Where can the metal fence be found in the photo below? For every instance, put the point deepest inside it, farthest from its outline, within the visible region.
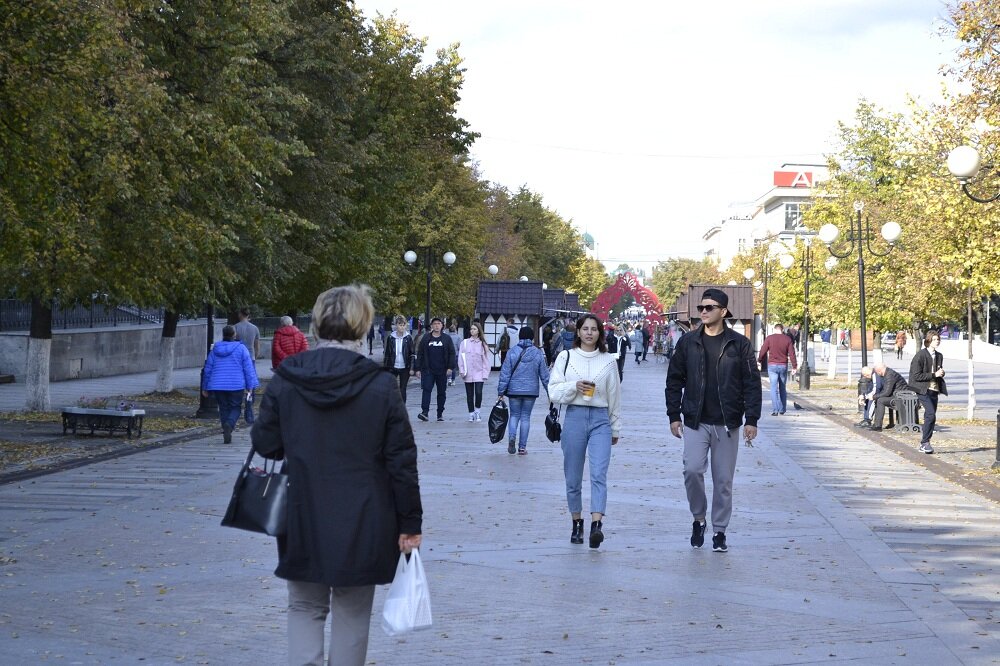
(15, 315)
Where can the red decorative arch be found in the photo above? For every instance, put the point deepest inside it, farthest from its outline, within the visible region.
(628, 283)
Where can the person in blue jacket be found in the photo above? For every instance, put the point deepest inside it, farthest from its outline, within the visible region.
(520, 384)
(230, 375)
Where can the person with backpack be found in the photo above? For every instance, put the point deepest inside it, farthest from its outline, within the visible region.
(519, 376)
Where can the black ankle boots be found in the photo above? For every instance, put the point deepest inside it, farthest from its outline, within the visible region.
(577, 536)
(596, 535)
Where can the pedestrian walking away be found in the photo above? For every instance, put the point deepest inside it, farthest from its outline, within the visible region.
(520, 374)
(474, 366)
(288, 340)
(249, 335)
(338, 422)
(927, 380)
(435, 358)
(456, 341)
(825, 335)
(645, 340)
(777, 353)
(585, 379)
(900, 343)
(230, 375)
(714, 384)
(398, 354)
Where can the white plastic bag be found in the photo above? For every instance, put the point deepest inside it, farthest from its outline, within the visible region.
(408, 603)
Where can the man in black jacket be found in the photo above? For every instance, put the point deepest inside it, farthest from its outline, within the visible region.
(435, 357)
(892, 383)
(927, 379)
(713, 381)
(398, 356)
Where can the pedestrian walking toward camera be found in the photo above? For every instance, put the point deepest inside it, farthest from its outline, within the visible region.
(777, 353)
(585, 379)
(619, 349)
(714, 383)
(519, 376)
(249, 335)
(398, 354)
(338, 422)
(474, 366)
(900, 343)
(288, 341)
(456, 341)
(927, 379)
(435, 358)
(645, 340)
(229, 375)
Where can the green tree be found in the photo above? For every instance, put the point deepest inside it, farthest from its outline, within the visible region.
(671, 277)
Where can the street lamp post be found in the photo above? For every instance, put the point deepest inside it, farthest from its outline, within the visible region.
(207, 407)
(860, 235)
(410, 257)
(966, 164)
(787, 261)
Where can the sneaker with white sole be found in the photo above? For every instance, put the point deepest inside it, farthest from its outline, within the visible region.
(422, 416)
(478, 417)
(926, 448)
(472, 417)
(719, 542)
(697, 534)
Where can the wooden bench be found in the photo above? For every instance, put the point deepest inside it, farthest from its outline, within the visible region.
(113, 420)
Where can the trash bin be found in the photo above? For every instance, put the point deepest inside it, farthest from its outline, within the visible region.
(905, 405)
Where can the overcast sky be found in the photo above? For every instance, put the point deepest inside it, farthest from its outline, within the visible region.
(646, 123)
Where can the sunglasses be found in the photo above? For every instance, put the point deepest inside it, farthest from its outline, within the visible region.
(707, 308)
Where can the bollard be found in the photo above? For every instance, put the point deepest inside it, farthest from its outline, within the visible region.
(996, 463)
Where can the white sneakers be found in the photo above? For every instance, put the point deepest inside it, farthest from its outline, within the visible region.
(472, 417)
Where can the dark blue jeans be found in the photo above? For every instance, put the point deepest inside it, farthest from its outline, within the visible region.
(929, 402)
(427, 382)
(230, 406)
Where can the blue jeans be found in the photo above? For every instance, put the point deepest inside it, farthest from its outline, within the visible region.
(520, 419)
(779, 378)
(586, 430)
(230, 406)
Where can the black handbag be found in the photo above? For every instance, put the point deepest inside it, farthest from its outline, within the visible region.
(553, 429)
(497, 422)
(260, 500)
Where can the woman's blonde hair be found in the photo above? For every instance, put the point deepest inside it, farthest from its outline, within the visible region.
(343, 313)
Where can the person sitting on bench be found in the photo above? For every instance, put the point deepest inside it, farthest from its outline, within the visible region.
(893, 383)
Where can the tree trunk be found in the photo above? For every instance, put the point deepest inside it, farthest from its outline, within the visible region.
(39, 353)
(168, 340)
(970, 410)
(831, 370)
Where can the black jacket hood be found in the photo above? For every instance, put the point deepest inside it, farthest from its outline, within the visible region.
(328, 377)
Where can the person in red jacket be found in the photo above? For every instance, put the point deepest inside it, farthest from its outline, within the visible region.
(777, 353)
(288, 340)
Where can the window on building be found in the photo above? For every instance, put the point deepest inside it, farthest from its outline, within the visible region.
(794, 210)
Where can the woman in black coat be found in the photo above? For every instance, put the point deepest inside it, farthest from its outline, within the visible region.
(338, 421)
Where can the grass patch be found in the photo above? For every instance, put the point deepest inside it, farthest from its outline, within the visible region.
(13, 453)
(171, 423)
(31, 417)
(968, 422)
(174, 397)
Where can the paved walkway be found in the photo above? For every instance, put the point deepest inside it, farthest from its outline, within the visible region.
(840, 552)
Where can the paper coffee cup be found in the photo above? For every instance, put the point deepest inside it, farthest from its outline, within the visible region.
(588, 391)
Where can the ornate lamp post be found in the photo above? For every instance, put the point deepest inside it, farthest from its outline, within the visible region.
(410, 257)
(860, 235)
(966, 164)
(787, 261)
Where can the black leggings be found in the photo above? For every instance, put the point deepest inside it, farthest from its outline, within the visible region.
(474, 395)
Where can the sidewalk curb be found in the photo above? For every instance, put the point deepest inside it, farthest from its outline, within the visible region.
(931, 463)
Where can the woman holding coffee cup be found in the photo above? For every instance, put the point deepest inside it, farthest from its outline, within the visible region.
(585, 379)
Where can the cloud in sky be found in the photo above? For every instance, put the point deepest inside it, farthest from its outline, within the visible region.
(648, 122)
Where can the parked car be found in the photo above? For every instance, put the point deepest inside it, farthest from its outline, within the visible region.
(888, 341)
